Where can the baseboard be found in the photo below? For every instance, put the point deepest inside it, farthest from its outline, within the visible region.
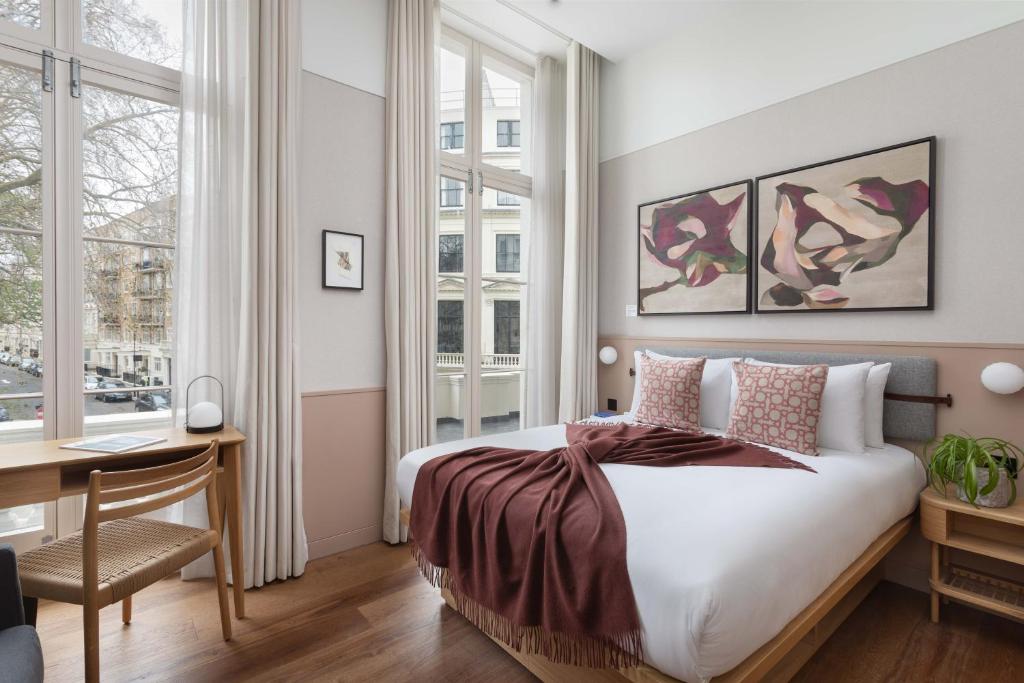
(346, 541)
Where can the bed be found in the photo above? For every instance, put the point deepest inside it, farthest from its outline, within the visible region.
(774, 550)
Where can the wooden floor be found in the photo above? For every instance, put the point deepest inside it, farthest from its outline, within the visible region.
(366, 615)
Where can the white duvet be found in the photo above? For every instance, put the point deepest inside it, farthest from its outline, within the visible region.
(722, 558)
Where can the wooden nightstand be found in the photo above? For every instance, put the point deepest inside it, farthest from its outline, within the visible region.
(992, 532)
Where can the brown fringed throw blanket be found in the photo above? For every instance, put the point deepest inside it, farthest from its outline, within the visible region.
(532, 544)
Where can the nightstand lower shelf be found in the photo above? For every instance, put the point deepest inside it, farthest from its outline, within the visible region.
(988, 592)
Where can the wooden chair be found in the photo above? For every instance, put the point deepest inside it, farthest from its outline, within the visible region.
(117, 553)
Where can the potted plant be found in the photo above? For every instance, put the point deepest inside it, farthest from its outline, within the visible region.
(983, 469)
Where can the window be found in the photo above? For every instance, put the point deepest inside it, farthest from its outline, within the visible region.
(449, 327)
(507, 199)
(484, 186)
(506, 253)
(506, 327)
(452, 135)
(106, 156)
(450, 254)
(451, 193)
(508, 133)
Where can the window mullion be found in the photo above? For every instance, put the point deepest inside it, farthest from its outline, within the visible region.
(67, 329)
(474, 242)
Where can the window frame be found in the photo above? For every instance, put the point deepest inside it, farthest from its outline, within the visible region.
(469, 167)
(63, 236)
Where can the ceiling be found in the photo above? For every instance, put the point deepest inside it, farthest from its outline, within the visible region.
(617, 29)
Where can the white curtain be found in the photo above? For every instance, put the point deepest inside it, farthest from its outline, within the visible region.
(236, 298)
(409, 270)
(543, 320)
(578, 388)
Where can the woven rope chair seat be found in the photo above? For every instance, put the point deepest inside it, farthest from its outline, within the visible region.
(133, 553)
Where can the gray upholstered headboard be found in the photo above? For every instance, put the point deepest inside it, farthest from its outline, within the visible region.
(913, 375)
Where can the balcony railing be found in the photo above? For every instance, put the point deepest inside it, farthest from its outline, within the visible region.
(490, 360)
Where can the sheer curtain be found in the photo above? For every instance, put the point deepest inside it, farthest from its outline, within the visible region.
(578, 385)
(543, 320)
(236, 298)
(409, 250)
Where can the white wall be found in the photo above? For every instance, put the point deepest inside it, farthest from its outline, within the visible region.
(969, 95)
(734, 58)
(346, 41)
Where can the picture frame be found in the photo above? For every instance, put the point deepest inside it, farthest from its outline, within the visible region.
(710, 280)
(342, 260)
(867, 222)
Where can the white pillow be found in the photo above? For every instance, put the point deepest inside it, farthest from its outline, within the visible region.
(715, 388)
(874, 401)
(842, 422)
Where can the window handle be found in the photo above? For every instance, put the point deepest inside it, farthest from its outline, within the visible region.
(480, 175)
(469, 180)
(47, 70)
(76, 77)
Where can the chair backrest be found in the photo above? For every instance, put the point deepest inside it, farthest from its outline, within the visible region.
(166, 484)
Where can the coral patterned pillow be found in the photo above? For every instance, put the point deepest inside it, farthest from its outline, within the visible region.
(670, 393)
(778, 406)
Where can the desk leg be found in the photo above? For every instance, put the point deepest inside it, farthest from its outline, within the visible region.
(233, 504)
(222, 501)
(935, 578)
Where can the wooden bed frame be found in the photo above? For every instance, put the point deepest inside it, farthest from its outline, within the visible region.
(779, 659)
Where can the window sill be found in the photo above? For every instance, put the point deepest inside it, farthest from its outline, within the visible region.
(24, 430)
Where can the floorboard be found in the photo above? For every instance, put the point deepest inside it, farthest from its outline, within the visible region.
(367, 615)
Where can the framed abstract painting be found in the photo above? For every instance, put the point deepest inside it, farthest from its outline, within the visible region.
(694, 252)
(851, 234)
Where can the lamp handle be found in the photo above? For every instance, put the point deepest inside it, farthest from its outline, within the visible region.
(188, 390)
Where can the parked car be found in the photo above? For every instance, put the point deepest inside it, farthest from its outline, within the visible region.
(92, 381)
(36, 368)
(5, 416)
(113, 395)
(39, 411)
(4, 356)
(149, 401)
(14, 361)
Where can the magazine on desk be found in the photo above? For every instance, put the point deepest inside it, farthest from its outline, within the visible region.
(113, 443)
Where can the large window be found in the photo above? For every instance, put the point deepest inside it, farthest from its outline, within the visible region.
(89, 93)
(507, 253)
(479, 281)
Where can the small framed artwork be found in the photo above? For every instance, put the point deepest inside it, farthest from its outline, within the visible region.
(851, 234)
(694, 252)
(343, 260)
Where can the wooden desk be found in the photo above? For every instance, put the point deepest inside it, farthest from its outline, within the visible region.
(41, 471)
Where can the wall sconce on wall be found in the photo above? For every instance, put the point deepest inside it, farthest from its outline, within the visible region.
(608, 355)
(1003, 378)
